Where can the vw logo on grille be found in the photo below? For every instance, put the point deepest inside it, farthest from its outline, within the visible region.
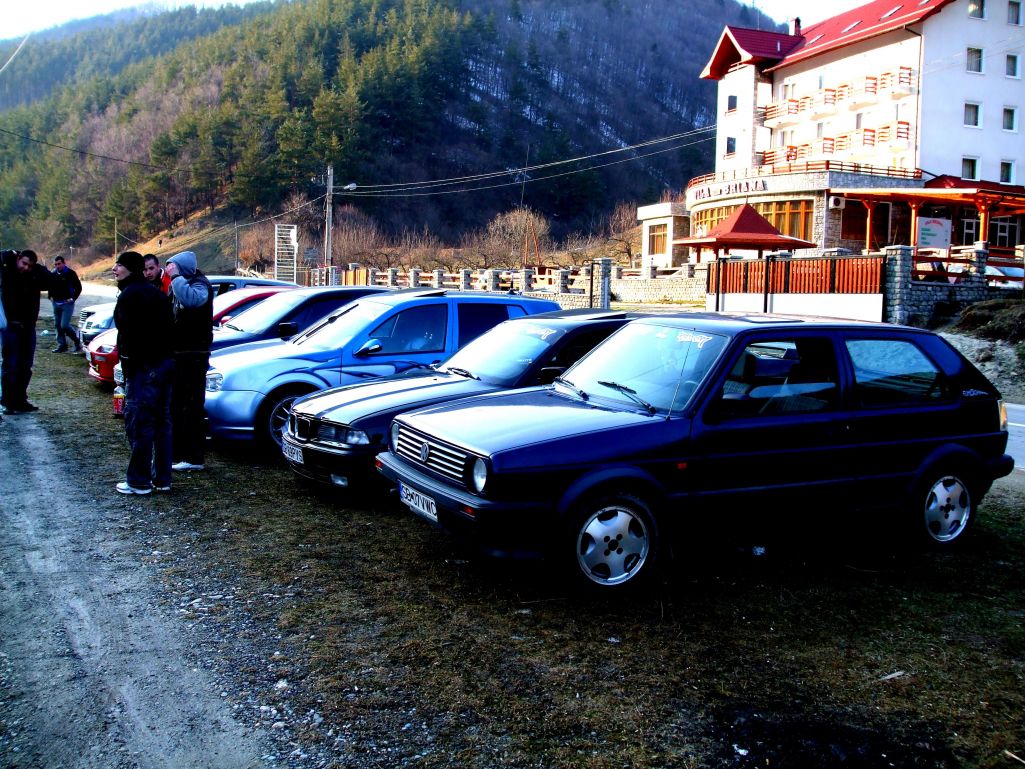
(425, 452)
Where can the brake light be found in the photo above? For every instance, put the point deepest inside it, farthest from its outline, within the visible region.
(1003, 416)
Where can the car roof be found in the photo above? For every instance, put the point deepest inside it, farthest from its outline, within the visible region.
(733, 324)
(315, 290)
(404, 295)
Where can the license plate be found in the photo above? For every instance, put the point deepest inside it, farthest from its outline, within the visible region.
(418, 503)
(295, 453)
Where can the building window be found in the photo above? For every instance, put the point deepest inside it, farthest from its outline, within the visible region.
(731, 145)
(1012, 65)
(657, 236)
(859, 119)
(972, 115)
(1014, 12)
(977, 9)
(970, 168)
(974, 60)
(1007, 172)
(1010, 119)
(731, 103)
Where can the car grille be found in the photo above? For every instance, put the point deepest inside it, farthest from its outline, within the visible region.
(424, 451)
(303, 428)
(83, 316)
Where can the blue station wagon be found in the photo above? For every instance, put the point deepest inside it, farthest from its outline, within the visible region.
(250, 387)
(679, 420)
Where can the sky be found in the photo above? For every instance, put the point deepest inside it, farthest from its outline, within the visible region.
(18, 17)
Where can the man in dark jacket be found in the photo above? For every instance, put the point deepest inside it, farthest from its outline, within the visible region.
(193, 299)
(144, 329)
(65, 288)
(23, 278)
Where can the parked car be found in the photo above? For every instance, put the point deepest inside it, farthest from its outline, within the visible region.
(250, 388)
(101, 353)
(232, 303)
(97, 318)
(333, 436)
(677, 422)
(287, 313)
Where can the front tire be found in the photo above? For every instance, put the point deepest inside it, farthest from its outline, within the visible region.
(273, 417)
(614, 541)
(945, 507)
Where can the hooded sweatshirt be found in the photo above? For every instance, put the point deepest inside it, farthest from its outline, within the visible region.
(193, 298)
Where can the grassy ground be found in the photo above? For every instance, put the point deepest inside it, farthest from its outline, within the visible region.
(400, 649)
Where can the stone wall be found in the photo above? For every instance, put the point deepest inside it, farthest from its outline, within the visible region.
(919, 302)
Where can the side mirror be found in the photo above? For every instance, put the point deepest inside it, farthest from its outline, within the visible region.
(287, 330)
(370, 346)
(548, 374)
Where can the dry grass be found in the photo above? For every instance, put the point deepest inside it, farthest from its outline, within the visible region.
(416, 653)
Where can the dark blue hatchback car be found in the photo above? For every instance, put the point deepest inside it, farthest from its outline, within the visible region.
(675, 421)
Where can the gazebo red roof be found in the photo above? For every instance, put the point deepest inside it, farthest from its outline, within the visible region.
(745, 228)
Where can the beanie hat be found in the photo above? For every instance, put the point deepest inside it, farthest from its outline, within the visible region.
(131, 261)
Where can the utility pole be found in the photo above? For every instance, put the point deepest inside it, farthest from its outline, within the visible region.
(327, 215)
(236, 246)
(115, 237)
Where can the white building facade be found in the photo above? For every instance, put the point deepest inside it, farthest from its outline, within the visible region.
(893, 95)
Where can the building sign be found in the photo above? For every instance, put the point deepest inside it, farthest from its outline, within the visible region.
(933, 233)
(739, 187)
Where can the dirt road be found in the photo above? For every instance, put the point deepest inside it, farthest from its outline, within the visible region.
(92, 672)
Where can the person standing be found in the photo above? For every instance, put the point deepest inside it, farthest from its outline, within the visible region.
(65, 288)
(155, 274)
(193, 300)
(22, 279)
(144, 324)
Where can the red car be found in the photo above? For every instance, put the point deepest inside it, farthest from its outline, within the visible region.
(101, 352)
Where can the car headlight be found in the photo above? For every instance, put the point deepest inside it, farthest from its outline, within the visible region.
(394, 435)
(214, 381)
(342, 434)
(106, 349)
(479, 475)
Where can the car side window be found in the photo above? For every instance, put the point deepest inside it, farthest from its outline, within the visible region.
(477, 317)
(314, 310)
(782, 376)
(891, 371)
(418, 329)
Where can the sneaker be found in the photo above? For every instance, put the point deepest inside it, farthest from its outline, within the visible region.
(162, 488)
(180, 466)
(59, 349)
(124, 488)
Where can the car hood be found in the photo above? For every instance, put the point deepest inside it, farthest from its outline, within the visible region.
(357, 404)
(226, 337)
(510, 426)
(251, 366)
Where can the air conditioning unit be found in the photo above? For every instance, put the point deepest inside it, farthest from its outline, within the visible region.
(837, 202)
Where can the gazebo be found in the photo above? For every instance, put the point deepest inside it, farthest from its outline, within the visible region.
(744, 229)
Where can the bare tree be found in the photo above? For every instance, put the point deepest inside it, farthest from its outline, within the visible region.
(621, 233)
(47, 236)
(256, 248)
(355, 237)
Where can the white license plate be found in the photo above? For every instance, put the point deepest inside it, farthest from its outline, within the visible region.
(418, 503)
(294, 453)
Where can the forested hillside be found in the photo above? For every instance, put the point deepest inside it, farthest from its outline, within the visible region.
(391, 92)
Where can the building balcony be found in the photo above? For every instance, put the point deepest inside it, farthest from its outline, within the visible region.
(823, 104)
(896, 83)
(779, 155)
(781, 113)
(864, 95)
(857, 143)
(823, 147)
(895, 136)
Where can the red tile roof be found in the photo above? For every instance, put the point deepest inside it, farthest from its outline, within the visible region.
(738, 45)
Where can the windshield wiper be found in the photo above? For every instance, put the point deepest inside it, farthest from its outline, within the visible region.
(573, 387)
(233, 328)
(629, 392)
(461, 372)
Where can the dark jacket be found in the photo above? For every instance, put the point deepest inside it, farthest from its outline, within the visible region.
(20, 291)
(64, 285)
(144, 323)
(193, 298)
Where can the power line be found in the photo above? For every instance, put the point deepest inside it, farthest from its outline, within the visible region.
(90, 154)
(16, 52)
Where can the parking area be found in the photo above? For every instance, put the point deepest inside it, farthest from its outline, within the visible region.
(340, 631)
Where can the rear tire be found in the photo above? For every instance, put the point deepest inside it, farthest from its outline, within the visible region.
(613, 543)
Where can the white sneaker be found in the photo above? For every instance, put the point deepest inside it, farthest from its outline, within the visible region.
(124, 488)
(179, 466)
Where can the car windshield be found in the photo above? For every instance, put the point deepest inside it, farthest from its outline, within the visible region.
(501, 355)
(337, 329)
(647, 365)
(263, 315)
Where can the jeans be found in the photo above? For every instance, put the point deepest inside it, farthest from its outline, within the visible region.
(19, 351)
(148, 422)
(188, 406)
(63, 314)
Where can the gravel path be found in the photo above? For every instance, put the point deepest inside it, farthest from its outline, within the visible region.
(92, 674)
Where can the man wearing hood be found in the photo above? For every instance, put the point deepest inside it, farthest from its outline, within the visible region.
(193, 300)
(144, 328)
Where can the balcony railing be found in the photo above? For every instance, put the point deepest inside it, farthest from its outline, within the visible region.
(897, 83)
(773, 163)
